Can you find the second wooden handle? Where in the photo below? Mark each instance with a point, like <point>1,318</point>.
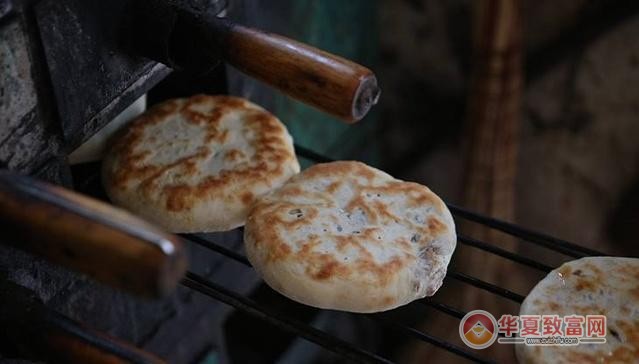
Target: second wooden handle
<point>331,83</point>
<point>188,35</point>
<point>89,236</point>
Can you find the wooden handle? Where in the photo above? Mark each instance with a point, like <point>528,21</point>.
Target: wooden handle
<point>188,35</point>
<point>323,80</point>
<point>89,236</point>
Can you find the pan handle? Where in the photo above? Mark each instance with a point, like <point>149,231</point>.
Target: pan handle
<point>89,236</point>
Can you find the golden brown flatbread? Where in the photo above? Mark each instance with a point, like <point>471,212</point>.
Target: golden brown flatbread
<point>198,164</point>
<point>350,237</point>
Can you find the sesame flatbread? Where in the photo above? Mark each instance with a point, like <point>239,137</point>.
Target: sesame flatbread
<point>350,237</point>
<point>198,164</point>
<point>589,286</point>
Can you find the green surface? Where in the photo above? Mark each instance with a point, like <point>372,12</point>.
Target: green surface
<point>348,29</point>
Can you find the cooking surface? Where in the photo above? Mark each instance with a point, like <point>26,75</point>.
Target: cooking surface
<point>397,323</point>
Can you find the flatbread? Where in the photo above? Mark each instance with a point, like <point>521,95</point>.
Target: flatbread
<point>198,164</point>
<point>589,286</point>
<point>350,237</point>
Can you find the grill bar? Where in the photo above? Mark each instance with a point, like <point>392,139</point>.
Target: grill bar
<point>534,237</point>
<point>503,253</point>
<point>428,338</point>
<point>310,333</point>
<point>319,337</point>
<point>217,248</point>
<point>449,310</point>
<point>455,275</point>
<point>486,286</point>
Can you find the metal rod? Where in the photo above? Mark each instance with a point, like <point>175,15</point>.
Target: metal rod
<point>429,338</point>
<point>449,310</point>
<point>281,321</point>
<point>534,237</point>
<point>503,253</point>
<point>442,307</point>
<point>455,275</point>
<point>486,286</point>
<point>217,248</point>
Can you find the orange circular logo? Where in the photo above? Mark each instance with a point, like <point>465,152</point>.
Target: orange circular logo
<point>478,329</point>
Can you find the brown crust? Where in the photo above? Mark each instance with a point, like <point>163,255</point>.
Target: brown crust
<point>132,166</point>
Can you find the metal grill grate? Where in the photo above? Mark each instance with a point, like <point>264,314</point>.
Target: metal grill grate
<point>353,353</point>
